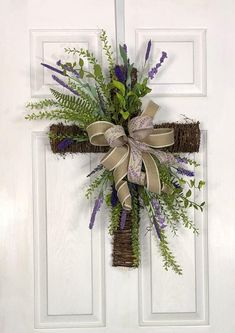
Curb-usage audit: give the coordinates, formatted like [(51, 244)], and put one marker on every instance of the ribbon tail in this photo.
[(153, 182), (121, 185), (117, 160), (151, 109), (124, 195)]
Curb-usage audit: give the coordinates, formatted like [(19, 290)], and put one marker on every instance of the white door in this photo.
[(55, 275)]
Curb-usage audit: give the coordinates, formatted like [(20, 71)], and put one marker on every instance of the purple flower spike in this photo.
[(98, 168), (163, 57), (157, 228), (159, 216), (124, 47), (123, 219), (63, 84), (185, 172), (58, 63), (148, 50), (96, 208), (119, 74), (181, 159), (153, 71), (114, 197), (53, 68), (65, 143)]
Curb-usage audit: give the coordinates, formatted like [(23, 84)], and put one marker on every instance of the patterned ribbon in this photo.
[(128, 153)]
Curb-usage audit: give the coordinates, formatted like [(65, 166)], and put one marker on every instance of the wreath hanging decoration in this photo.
[(142, 166)]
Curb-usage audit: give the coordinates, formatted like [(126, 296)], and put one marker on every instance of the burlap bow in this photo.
[(127, 153)]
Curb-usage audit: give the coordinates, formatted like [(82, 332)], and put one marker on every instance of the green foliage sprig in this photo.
[(43, 104), (107, 50), (169, 260), (98, 182), (115, 218)]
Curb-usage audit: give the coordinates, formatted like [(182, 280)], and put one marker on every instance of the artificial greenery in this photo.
[(87, 95)]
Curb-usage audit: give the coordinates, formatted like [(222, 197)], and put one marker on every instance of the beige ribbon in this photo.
[(128, 153)]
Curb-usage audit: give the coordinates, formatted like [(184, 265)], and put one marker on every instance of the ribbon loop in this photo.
[(127, 154), (140, 127), (115, 136)]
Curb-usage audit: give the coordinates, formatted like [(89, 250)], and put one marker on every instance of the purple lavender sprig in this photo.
[(96, 208), (155, 223), (120, 74), (180, 159), (153, 71), (101, 99), (65, 143), (123, 219), (65, 85), (53, 69), (114, 197), (148, 50), (184, 172), (159, 216), (98, 168)]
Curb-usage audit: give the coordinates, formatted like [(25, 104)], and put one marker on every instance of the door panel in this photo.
[(55, 273), (69, 259), (166, 298)]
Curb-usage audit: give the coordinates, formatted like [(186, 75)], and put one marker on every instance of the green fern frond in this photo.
[(54, 115), (82, 107), (107, 50), (66, 115), (87, 96), (45, 103)]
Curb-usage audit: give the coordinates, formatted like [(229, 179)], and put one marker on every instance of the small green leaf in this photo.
[(97, 70), (81, 73), (145, 81), (192, 183), (81, 62), (125, 114), (182, 182), (201, 184), (186, 203), (188, 194), (119, 86), (121, 100), (131, 93)]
